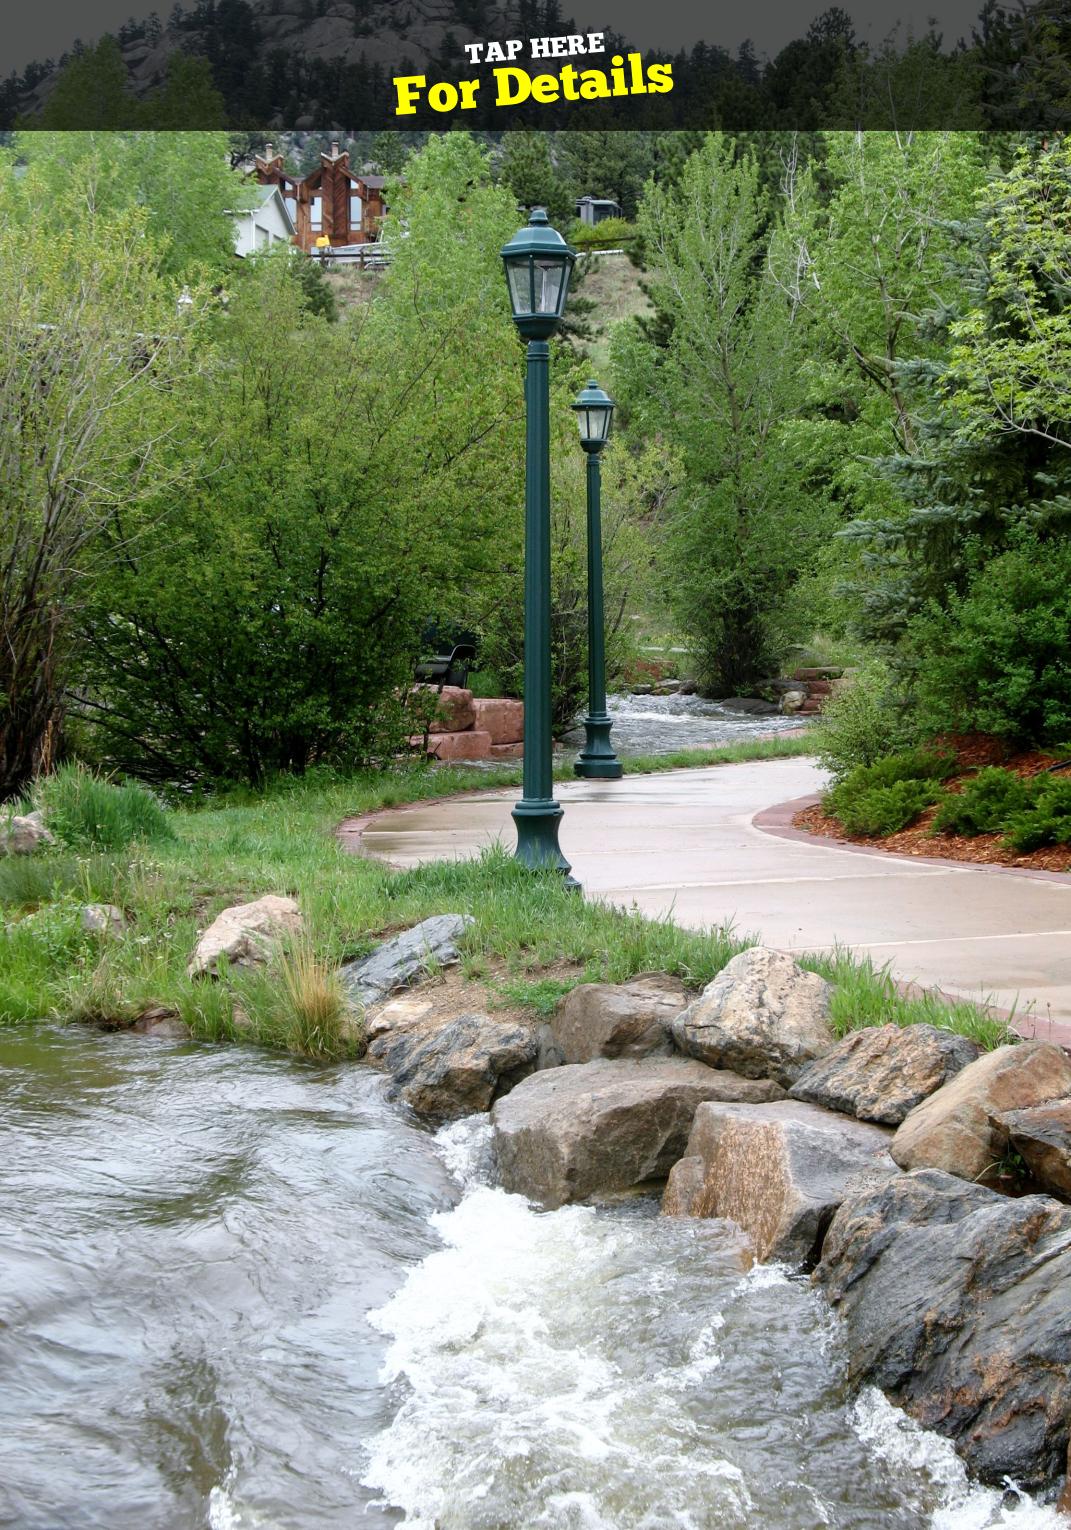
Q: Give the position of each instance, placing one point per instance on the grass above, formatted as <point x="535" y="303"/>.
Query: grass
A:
<point x="528" y="927"/>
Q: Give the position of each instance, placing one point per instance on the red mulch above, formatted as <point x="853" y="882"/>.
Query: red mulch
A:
<point x="972" y="752"/>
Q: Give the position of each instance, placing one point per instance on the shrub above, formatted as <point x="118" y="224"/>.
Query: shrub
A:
<point x="89" y="813"/>
<point x="985" y="804"/>
<point x="610" y="234"/>
<point x="863" y="723"/>
<point x="1047" y="821"/>
<point x="890" y="794"/>
<point x="998" y="659"/>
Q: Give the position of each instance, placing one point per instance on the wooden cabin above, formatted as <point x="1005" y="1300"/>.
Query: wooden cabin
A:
<point x="332" y="203"/>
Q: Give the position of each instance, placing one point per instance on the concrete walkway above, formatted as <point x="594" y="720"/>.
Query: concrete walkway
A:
<point x="684" y="844"/>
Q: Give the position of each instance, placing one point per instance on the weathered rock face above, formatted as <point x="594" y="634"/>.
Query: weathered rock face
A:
<point x="779" y="1171"/>
<point x="432" y="943"/>
<point x="951" y="1130"/>
<point x="456" y="710"/>
<point x="161" y="1024"/>
<point x="605" y="1126"/>
<point x="501" y="718"/>
<point x="1042" y="1138"/>
<point x="955" y="1300"/>
<point x="473" y="745"/>
<point x="618" y="1020"/>
<point x="102" y="919"/>
<point x="246" y="934"/>
<point x="23" y="835"/>
<point x="881" y="1073"/>
<point x="763" y="1016"/>
<point x="460" y="1069"/>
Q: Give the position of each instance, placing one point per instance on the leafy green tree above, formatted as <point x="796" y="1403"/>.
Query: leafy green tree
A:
<point x="90" y="354"/>
<point x="184" y="181"/>
<point x="746" y="522"/>
<point x="91" y="91"/>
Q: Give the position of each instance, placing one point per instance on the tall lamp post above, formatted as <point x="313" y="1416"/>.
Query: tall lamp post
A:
<point x="539" y="265"/>
<point x="597" y="761"/>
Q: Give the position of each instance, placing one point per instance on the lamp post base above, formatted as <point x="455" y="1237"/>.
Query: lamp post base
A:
<point x="597" y="760"/>
<point x="537" y="837"/>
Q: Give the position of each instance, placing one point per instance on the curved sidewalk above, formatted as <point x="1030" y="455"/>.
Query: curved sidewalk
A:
<point x="684" y="844"/>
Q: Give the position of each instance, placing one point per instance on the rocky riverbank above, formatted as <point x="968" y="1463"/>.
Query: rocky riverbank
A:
<point x="921" y="1183"/>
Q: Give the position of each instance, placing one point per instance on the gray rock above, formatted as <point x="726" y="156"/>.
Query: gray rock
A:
<point x="955" y="1304"/>
<point x="24" y="835"/>
<point x="605" y="1126"/>
<point x="461" y="1069"/>
<point x="763" y="1016"/>
<point x="161" y="1024"/>
<point x="618" y="1019"/>
<point x="952" y="1131"/>
<point x="882" y="1072"/>
<point x="754" y="706"/>
<point x="792" y="702"/>
<point x="103" y="919"/>
<point x="779" y="1171"/>
<point x="433" y="943"/>
<point x="1041" y="1136"/>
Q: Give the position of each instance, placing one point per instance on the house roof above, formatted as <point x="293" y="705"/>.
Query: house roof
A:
<point x="374" y="182"/>
<point x="266" y="194"/>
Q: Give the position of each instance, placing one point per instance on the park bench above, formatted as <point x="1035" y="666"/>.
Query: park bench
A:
<point x="448" y="668"/>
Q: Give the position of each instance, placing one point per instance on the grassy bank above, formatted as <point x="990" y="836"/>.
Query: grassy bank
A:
<point x="283" y="842"/>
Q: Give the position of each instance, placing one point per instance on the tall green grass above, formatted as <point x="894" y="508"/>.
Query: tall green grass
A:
<point x="88" y="813"/>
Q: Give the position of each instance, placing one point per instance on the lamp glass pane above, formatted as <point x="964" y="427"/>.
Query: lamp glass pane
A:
<point x="520" y="289"/>
<point x="549" y="277"/>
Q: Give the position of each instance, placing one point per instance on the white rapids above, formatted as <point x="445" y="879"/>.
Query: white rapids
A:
<point x="613" y="1370"/>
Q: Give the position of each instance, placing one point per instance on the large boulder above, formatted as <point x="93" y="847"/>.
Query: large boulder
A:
<point x="432" y="943"/>
<point x="473" y="745"/>
<point x="455" y="708"/>
<point x="618" y="1019"/>
<point x="22" y="835"/>
<point x="955" y="1301"/>
<point x="605" y="1126"/>
<point x="763" y="1016"/>
<point x="458" y="1070"/>
<point x="1042" y="1138"/>
<point x="952" y="1130"/>
<point x="501" y="718"/>
<point x="246" y="935"/>
<point x="882" y="1072"/>
<point x="779" y="1171"/>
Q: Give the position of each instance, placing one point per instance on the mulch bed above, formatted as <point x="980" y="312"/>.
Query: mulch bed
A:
<point x="972" y="751"/>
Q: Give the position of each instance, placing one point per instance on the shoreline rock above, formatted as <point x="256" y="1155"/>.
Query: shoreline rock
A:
<point x="880" y="1073"/>
<point x="618" y="1019"/>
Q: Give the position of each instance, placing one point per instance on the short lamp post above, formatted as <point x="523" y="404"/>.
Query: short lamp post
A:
<point x="539" y="265"/>
<point x="597" y="761"/>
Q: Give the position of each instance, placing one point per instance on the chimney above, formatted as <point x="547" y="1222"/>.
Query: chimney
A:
<point x="334" y="151"/>
<point x="268" y="155"/>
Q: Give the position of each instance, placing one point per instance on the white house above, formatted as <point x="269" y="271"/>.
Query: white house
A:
<point x="264" y="225"/>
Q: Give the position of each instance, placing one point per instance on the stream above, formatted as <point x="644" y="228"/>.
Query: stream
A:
<point x="242" y="1292"/>
<point x="664" y="724"/>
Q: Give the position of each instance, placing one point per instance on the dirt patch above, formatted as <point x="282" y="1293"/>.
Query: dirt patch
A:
<point x="973" y="751"/>
<point x="451" y="994"/>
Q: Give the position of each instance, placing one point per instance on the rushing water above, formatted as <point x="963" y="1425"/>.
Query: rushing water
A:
<point x="664" y="724"/>
<point x="239" y="1291"/>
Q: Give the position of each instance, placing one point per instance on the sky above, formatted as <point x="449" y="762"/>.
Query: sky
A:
<point x="47" y="27"/>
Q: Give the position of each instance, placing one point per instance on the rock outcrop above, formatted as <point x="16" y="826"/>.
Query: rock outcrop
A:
<point x="779" y="1171"/>
<point x="605" y="1126"/>
<point x="618" y="1019"/>
<point x="458" y="1070"/>
<point x="432" y="943"/>
<point x="882" y="1072"/>
<point x="1042" y="1138"/>
<point x="246" y="935"/>
<point x="22" y="835"/>
<point x="763" y="1016"/>
<point x="952" y="1131"/>
<point x="955" y="1301"/>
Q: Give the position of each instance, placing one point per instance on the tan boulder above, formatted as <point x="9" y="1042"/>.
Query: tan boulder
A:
<point x="606" y="1126"/>
<point x="501" y="718"/>
<point x="22" y="835"/>
<point x="246" y="935"/>
<point x="473" y="745"/>
<point x="882" y="1072"/>
<point x="618" y="1019"/>
<point x="456" y="712"/>
<point x="779" y="1171"/>
<point x="952" y="1129"/>
<point x="763" y="1016"/>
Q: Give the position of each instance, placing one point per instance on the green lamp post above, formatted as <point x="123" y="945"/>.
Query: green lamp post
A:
<point x="539" y="265"/>
<point x="597" y="761"/>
